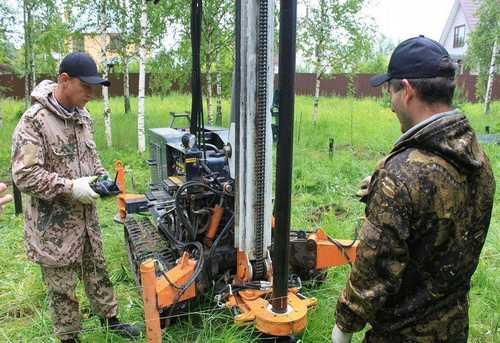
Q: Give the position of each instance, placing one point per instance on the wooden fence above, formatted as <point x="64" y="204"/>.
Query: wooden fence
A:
<point x="335" y="85"/>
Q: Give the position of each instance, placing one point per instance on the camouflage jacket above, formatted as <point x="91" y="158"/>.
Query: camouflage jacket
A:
<point x="428" y="211"/>
<point x="50" y="148"/>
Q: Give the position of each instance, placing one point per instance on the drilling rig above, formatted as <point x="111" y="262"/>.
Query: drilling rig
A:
<point x="209" y="222"/>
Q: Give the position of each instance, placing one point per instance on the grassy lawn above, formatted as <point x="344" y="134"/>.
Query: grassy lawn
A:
<point x="363" y="132"/>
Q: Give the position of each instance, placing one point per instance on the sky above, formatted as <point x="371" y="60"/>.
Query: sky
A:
<point x="402" y="19"/>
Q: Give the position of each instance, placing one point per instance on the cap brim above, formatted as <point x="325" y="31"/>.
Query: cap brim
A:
<point x="95" y="80"/>
<point x="379" y="79"/>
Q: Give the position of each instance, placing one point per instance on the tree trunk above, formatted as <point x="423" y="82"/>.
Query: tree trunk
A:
<point x="27" y="54"/>
<point x="105" y="90"/>
<point x="218" y="90"/>
<point x="107" y="111"/>
<point x="126" y="87"/>
<point x="491" y="78"/>
<point x="209" y="99"/>
<point x="316" y="98"/>
<point x="141" y="138"/>
<point x="33" y="69"/>
<point x="210" y="114"/>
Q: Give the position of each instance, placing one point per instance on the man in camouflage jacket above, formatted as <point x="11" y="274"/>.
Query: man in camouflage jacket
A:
<point x="54" y="158"/>
<point x="428" y="209"/>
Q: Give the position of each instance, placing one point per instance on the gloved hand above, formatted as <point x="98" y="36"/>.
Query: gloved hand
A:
<point x="104" y="187"/>
<point x="363" y="188"/>
<point x="338" y="336"/>
<point x="82" y="192"/>
<point x="4" y="198"/>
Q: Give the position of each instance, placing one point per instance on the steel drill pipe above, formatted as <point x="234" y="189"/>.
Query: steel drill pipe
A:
<point x="284" y="161"/>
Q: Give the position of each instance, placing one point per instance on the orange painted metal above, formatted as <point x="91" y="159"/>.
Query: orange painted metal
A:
<point x="151" y="314"/>
<point x="120" y="178"/>
<point x="243" y="272"/>
<point x="255" y="308"/>
<point x="214" y="224"/>
<point x="329" y="254"/>
<point x="167" y="287"/>
<point x="123" y="196"/>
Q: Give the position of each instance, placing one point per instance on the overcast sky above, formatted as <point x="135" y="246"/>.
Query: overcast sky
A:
<point x="401" y="19"/>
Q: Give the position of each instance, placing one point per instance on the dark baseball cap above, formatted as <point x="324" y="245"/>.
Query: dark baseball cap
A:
<point x="82" y="66"/>
<point x="415" y="58"/>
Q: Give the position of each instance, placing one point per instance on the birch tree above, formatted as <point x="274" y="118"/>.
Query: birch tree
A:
<point x="104" y="26"/>
<point x="217" y="38"/>
<point x="481" y="43"/>
<point x="491" y="77"/>
<point x="332" y="36"/>
<point x="128" y="24"/>
<point x="142" y="78"/>
<point x="7" y="50"/>
<point x="28" y="47"/>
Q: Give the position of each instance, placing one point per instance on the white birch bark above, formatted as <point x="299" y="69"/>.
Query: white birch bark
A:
<point x="126" y="87"/>
<point x="105" y="68"/>
<point x="491" y="78"/>
<point x="141" y="138"/>
<point x="209" y="99"/>
<point x="33" y="69"/>
<point x="27" y="54"/>
<point x="210" y="114"/>
<point x="218" y="90"/>
<point x="316" y="98"/>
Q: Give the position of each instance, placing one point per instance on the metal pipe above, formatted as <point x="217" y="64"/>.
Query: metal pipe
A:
<point x="196" y="95"/>
<point x="284" y="159"/>
<point x="151" y="314"/>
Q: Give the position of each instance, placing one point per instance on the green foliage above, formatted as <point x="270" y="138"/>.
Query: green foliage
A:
<point x="7" y="20"/>
<point x="459" y="97"/>
<point x="323" y="188"/>
<point x="481" y="40"/>
<point x="333" y="36"/>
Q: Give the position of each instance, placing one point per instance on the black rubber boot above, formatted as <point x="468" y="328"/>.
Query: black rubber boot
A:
<point x="122" y="329"/>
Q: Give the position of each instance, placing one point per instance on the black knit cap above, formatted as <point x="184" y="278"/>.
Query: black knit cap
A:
<point x="415" y="58"/>
<point x="82" y="66"/>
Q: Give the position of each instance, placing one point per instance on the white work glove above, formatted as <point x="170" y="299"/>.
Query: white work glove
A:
<point x="4" y="198"/>
<point x="338" y="336"/>
<point x="82" y="192"/>
<point x="363" y="187"/>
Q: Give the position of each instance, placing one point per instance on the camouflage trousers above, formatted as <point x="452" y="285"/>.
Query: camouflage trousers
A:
<point x="449" y="325"/>
<point x="61" y="284"/>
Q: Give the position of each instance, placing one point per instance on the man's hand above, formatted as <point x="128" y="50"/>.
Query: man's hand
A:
<point x="4" y="198"/>
<point x="82" y="191"/>
<point x="338" y="336"/>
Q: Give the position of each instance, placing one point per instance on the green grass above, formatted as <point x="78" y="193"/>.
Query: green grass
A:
<point x="323" y="187"/>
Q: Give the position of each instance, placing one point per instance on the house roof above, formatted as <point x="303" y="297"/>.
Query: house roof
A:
<point x="469" y="9"/>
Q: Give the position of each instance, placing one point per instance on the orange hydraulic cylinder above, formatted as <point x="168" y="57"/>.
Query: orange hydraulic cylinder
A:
<point x="151" y="314"/>
<point x="214" y="224"/>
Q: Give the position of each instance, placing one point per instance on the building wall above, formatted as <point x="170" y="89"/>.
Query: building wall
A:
<point x="448" y="43"/>
<point x="93" y="46"/>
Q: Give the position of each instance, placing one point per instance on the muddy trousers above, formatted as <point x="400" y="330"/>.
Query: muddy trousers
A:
<point x="61" y="284"/>
<point x="447" y="325"/>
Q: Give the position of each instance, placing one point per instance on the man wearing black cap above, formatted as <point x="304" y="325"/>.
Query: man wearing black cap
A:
<point x="54" y="159"/>
<point x="428" y="209"/>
